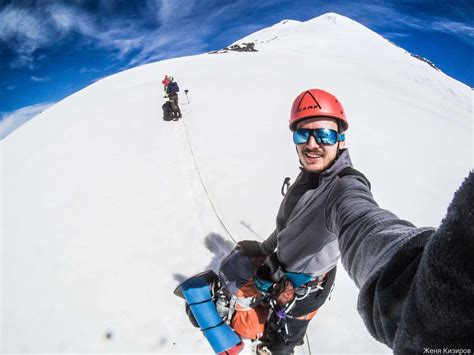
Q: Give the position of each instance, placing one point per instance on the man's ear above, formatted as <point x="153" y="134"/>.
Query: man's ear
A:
<point x="342" y="145"/>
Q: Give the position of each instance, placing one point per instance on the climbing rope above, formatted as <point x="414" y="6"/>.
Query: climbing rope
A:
<point x="219" y="218"/>
<point x="203" y="184"/>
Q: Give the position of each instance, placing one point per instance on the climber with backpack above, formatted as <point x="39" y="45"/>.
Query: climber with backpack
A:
<point x="172" y="90"/>
<point x="273" y="289"/>
<point x="301" y="254"/>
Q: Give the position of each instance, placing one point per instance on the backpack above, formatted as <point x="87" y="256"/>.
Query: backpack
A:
<point x="167" y="111"/>
<point x="245" y="315"/>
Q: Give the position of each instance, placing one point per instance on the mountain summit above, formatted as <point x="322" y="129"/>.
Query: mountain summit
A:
<point x="332" y="33"/>
<point x="326" y="32"/>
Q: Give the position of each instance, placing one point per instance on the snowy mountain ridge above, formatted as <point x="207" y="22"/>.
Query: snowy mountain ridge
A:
<point x="106" y="207"/>
<point x="309" y="30"/>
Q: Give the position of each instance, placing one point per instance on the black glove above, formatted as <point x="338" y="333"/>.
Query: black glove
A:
<point x="271" y="270"/>
<point x="268" y="274"/>
<point x="250" y="248"/>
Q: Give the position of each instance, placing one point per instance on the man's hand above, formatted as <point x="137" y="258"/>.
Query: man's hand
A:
<point x="250" y="248"/>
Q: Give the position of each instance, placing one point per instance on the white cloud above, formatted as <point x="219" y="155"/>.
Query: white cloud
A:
<point x="153" y="32"/>
<point x="169" y="11"/>
<point x="166" y="10"/>
<point x="23" y="60"/>
<point x="13" y="120"/>
<point x="463" y="30"/>
<point x="433" y="24"/>
<point x="63" y="17"/>
<point x="26" y="29"/>
<point x="386" y="18"/>
<point x="40" y="78"/>
<point x="155" y="47"/>
<point x="85" y="70"/>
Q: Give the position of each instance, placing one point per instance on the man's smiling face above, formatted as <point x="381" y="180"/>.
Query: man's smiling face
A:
<point x="317" y="157"/>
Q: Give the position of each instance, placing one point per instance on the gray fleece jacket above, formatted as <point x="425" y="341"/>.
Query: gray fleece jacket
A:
<point x="416" y="284"/>
<point x="308" y="241"/>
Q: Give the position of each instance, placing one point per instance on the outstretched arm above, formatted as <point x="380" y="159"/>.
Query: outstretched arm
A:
<point x="416" y="284"/>
<point x="370" y="240"/>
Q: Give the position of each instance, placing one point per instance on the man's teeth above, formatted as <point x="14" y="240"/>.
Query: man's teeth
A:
<point x="311" y="155"/>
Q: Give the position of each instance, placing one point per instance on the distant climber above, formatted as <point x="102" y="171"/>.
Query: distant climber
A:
<point x="171" y="110"/>
<point x="172" y="90"/>
<point x="165" y="83"/>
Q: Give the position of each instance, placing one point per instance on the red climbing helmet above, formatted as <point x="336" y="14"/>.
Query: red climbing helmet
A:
<point x="317" y="103"/>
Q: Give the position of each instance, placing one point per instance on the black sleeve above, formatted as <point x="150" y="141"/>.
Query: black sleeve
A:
<point x="368" y="235"/>
<point x="438" y="312"/>
<point x="269" y="245"/>
<point x="380" y="252"/>
<point x="416" y="284"/>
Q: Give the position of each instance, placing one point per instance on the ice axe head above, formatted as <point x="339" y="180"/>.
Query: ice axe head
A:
<point x="186" y="91"/>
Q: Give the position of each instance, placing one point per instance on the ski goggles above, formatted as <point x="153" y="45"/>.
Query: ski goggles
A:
<point x="321" y="135"/>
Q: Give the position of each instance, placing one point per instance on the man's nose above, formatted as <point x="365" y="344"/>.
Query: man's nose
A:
<point x="312" y="142"/>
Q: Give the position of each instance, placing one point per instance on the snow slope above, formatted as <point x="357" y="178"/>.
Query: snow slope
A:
<point x="106" y="207"/>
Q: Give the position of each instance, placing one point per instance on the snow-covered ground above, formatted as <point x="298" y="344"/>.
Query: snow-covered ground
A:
<point x="106" y="207"/>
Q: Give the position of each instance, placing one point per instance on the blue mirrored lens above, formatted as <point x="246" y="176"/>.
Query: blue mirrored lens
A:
<point x="322" y="136"/>
<point x="325" y="136"/>
<point x="301" y="136"/>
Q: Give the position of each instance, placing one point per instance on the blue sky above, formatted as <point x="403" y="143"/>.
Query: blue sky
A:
<point x="51" y="49"/>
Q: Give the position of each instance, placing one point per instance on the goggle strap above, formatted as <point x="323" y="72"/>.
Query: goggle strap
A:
<point x="341" y="137"/>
